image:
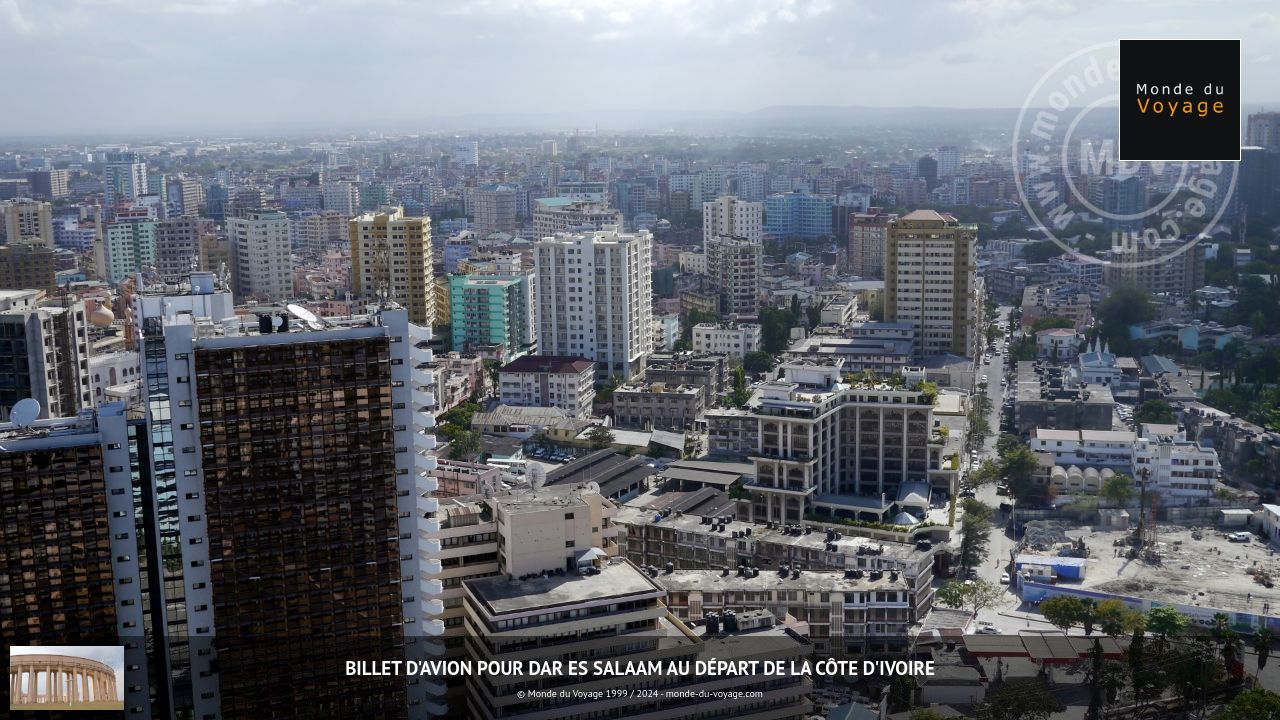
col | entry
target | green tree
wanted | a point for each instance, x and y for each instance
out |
(1154, 411)
(757, 362)
(739, 396)
(1063, 611)
(1256, 704)
(1127, 304)
(876, 309)
(975, 532)
(1020, 699)
(605, 392)
(1050, 322)
(1115, 618)
(1006, 443)
(465, 445)
(1118, 489)
(1166, 622)
(1097, 693)
(987, 472)
(971, 594)
(1018, 468)
(600, 437)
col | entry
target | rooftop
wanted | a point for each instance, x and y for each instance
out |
(548, 363)
(617, 580)
(769, 579)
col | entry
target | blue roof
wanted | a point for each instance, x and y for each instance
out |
(1050, 560)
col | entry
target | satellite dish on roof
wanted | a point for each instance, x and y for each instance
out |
(25, 412)
(277, 321)
(307, 317)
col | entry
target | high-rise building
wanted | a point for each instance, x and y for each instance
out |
(595, 299)
(466, 152)
(124, 178)
(127, 248)
(927, 168)
(931, 280)
(49, 184)
(734, 266)
(184, 196)
(1258, 183)
(177, 247)
(494, 209)
(868, 233)
(320, 231)
(557, 215)
(797, 214)
(489, 315)
(28, 267)
(342, 197)
(379, 241)
(1122, 200)
(291, 481)
(27, 221)
(1161, 267)
(948, 161)
(727, 215)
(44, 355)
(1264, 131)
(262, 267)
(69, 547)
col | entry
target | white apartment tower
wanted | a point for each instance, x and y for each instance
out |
(595, 295)
(727, 215)
(343, 197)
(261, 262)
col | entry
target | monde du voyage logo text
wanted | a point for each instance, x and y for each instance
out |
(1179, 100)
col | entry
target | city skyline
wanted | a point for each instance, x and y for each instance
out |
(210, 58)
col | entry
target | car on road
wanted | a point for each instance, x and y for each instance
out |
(1004, 578)
(1239, 537)
(985, 378)
(988, 631)
(968, 493)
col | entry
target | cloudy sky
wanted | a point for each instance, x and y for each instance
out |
(147, 65)
(112, 655)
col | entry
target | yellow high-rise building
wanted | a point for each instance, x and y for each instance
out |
(931, 280)
(391, 259)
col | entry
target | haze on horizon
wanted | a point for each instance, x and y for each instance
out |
(126, 66)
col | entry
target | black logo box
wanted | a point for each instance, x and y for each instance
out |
(1190, 65)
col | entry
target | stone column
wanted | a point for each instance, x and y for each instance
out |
(76, 697)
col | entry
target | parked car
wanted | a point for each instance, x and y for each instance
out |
(1004, 578)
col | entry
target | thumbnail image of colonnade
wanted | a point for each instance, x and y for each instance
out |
(60, 679)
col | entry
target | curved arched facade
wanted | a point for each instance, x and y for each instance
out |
(61, 679)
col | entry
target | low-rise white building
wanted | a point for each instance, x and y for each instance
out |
(731, 340)
(693, 262)
(1086, 448)
(110, 369)
(1057, 343)
(1178, 467)
(549, 381)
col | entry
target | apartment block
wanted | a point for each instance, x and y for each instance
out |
(734, 266)
(489, 315)
(658, 406)
(595, 299)
(391, 258)
(559, 214)
(262, 264)
(1161, 268)
(28, 267)
(727, 216)
(27, 221)
(44, 354)
(931, 281)
(732, 340)
(177, 247)
(868, 236)
(567, 383)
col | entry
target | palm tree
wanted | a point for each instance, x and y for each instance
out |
(1232, 649)
(1262, 646)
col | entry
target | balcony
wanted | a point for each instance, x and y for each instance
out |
(431, 566)
(431, 526)
(430, 546)
(419, 333)
(432, 647)
(431, 587)
(423, 376)
(424, 398)
(433, 628)
(424, 420)
(435, 606)
(428, 483)
(421, 355)
(427, 504)
(426, 463)
(435, 709)
(433, 687)
(424, 440)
